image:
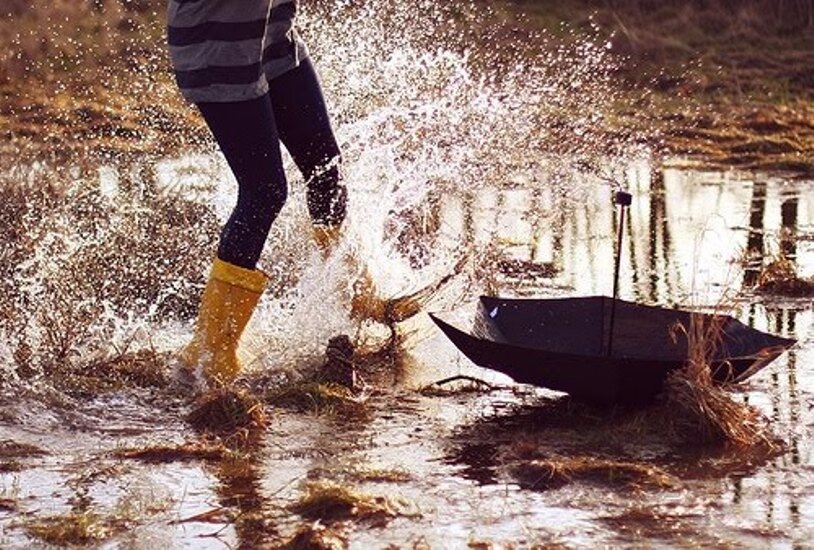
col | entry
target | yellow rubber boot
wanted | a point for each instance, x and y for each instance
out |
(228, 302)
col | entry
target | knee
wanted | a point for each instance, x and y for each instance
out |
(260, 204)
(274, 197)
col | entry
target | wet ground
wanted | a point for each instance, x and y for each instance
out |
(447, 469)
(472, 170)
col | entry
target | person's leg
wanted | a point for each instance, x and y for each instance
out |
(246, 132)
(247, 135)
(305, 130)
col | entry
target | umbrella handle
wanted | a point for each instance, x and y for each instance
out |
(624, 200)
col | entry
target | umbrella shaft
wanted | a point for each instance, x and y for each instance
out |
(616, 270)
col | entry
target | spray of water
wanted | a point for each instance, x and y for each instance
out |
(434, 106)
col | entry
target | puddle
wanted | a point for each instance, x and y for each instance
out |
(447, 458)
(102, 259)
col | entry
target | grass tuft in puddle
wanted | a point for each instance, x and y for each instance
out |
(779, 278)
(315, 537)
(329, 501)
(226, 411)
(11, 466)
(142, 369)
(364, 473)
(701, 409)
(319, 398)
(73, 528)
(12, 449)
(554, 472)
(159, 454)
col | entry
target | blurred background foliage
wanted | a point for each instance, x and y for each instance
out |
(40, 38)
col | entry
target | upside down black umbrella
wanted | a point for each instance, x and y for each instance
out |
(604, 349)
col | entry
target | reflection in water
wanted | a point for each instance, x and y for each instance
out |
(239, 489)
(687, 234)
(756, 247)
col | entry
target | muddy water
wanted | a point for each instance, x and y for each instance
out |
(490, 166)
(694, 239)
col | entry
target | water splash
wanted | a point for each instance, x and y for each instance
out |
(432, 104)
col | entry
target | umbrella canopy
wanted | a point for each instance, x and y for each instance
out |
(563, 343)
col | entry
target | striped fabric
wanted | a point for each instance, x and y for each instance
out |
(228, 50)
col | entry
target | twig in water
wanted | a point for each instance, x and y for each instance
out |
(458, 377)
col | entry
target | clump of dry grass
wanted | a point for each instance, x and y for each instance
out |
(73, 528)
(191, 450)
(701, 409)
(227, 410)
(380, 475)
(329, 501)
(651, 523)
(84, 527)
(455, 385)
(319, 398)
(780, 278)
(315, 537)
(8, 505)
(551, 473)
(365, 473)
(12, 449)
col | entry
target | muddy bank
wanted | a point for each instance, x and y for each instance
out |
(721, 89)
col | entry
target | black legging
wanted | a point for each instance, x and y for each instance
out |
(249, 134)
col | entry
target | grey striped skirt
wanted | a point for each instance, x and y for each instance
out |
(228, 50)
